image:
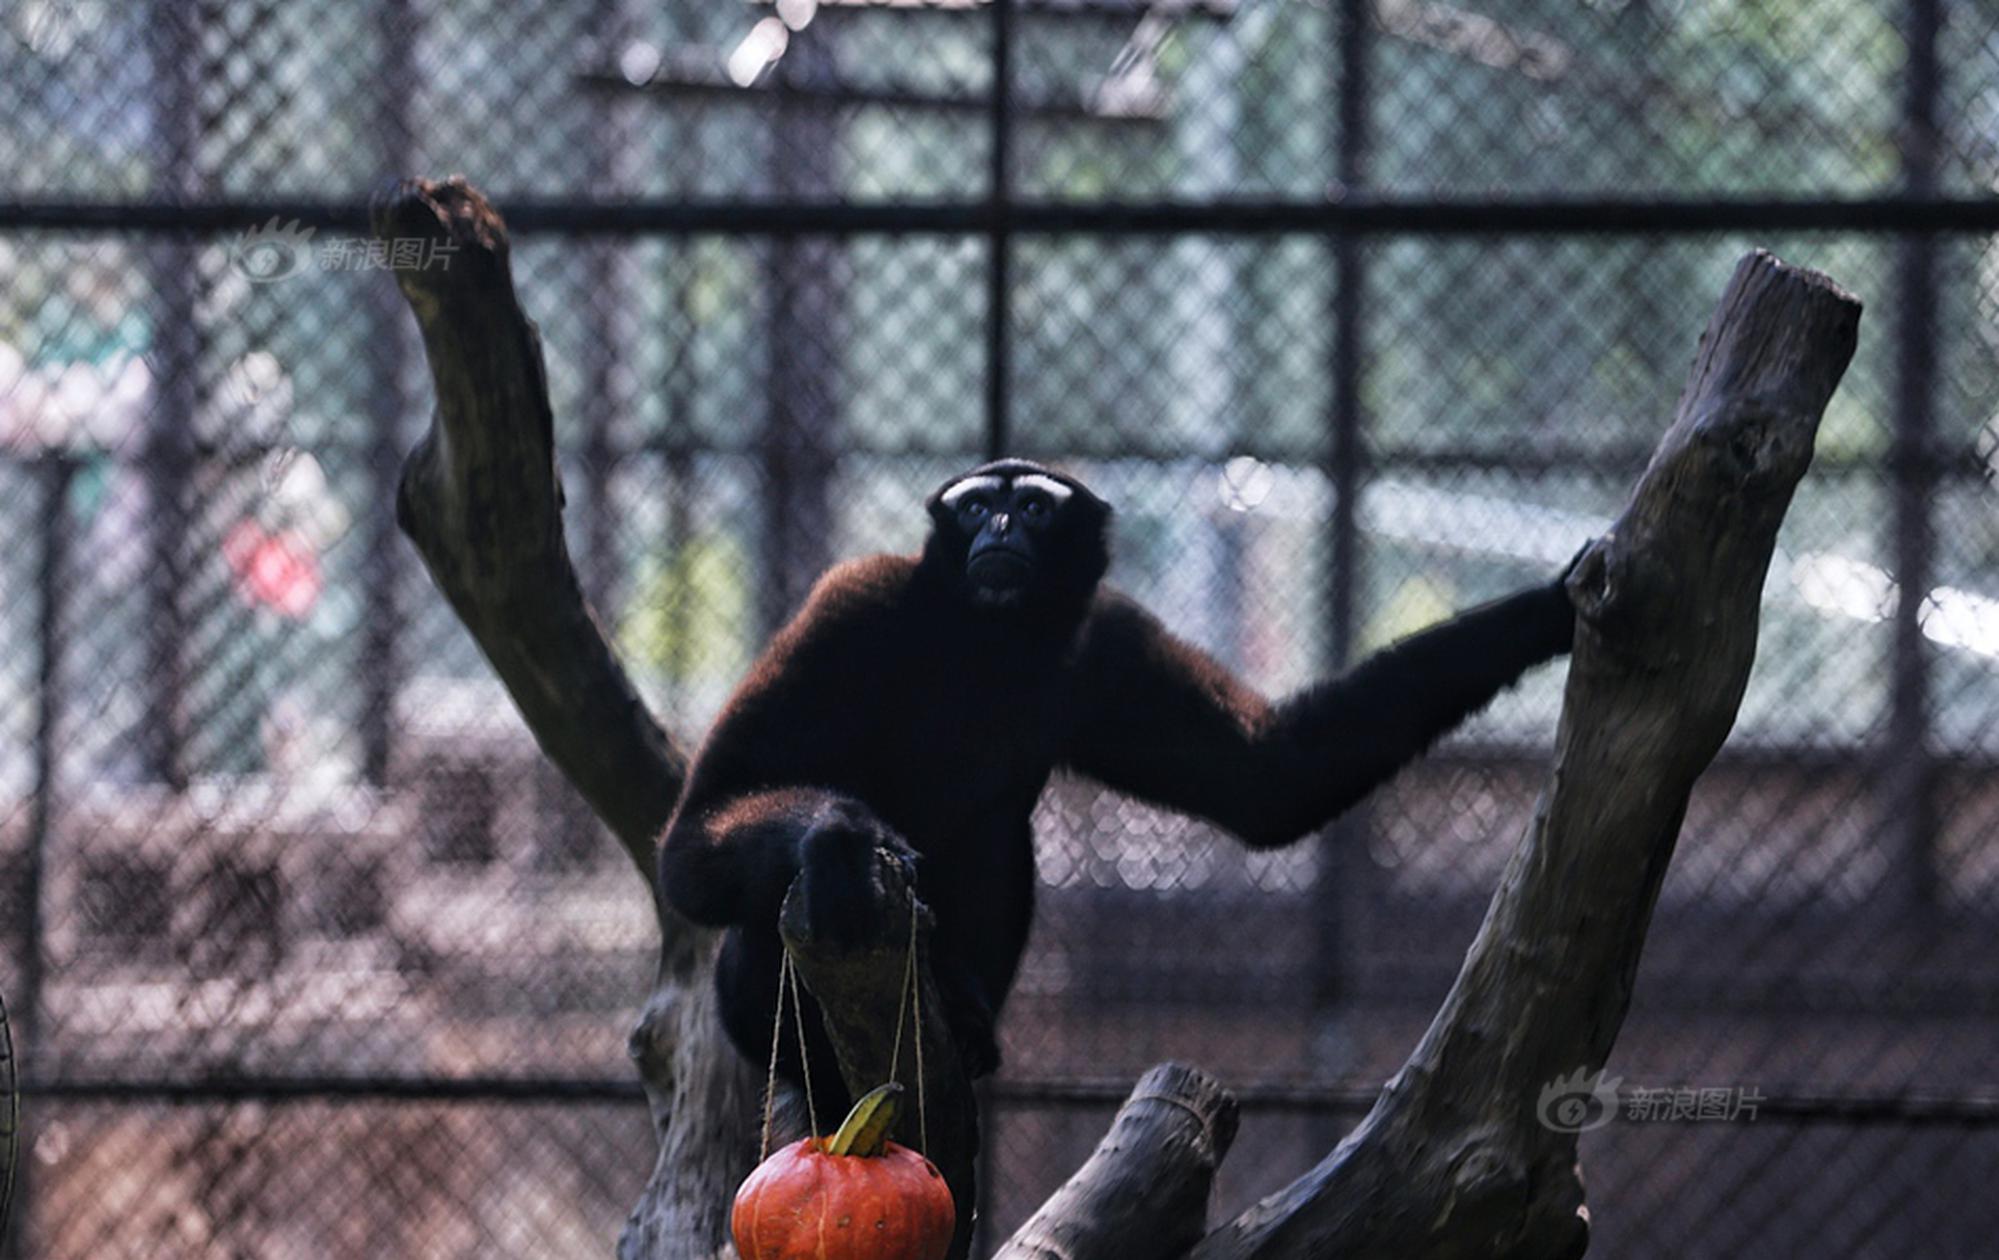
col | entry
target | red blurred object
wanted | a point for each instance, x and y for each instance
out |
(277, 571)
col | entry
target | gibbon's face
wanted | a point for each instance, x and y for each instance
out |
(1016, 530)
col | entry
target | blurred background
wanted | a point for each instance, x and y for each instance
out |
(1360, 311)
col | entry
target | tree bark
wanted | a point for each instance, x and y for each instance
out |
(1144, 1191)
(481, 501)
(1458, 1159)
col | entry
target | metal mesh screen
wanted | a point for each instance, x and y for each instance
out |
(1359, 311)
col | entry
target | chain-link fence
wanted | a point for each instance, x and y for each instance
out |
(1358, 310)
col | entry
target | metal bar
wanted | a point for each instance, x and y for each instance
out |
(1346, 447)
(711, 85)
(1065, 10)
(382, 625)
(999, 441)
(1965, 993)
(307, 1089)
(1357, 213)
(1939, 465)
(1908, 800)
(1344, 888)
(168, 455)
(1801, 1108)
(806, 281)
(679, 450)
(999, 239)
(1797, 1107)
(609, 299)
(50, 581)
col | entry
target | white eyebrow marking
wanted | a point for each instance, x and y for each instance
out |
(970, 485)
(1047, 485)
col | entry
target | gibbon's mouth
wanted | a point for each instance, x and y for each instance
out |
(1000, 569)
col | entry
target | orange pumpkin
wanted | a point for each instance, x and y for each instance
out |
(875, 1201)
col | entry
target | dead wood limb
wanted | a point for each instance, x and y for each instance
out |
(1455, 1160)
(481, 501)
(1144, 1191)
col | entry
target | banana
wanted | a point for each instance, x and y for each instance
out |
(865, 1130)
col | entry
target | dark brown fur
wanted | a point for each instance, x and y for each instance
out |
(894, 711)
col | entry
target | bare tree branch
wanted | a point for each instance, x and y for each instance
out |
(481, 500)
(1454, 1160)
(1144, 1191)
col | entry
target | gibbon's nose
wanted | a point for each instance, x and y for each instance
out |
(998, 537)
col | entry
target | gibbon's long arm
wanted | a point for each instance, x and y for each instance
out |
(731, 864)
(1161, 720)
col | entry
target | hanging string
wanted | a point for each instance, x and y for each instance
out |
(787, 981)
(789, 974)
(911, 996)
(912, 988)
(916, 996)
(770, 1080)
(901, 1010)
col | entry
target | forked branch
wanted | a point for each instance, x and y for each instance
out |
(1454, 1160)
(481, 500)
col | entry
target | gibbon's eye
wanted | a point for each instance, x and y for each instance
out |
(974, 506)
(1035, 508)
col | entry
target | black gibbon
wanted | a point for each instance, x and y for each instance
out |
(918, 705)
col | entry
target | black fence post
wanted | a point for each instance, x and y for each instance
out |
(998, 436)
(1344, 848)
(51, 582)
(388, 381)
(807, 285)
(999, 240)
(168, 452)
(1909, 769)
